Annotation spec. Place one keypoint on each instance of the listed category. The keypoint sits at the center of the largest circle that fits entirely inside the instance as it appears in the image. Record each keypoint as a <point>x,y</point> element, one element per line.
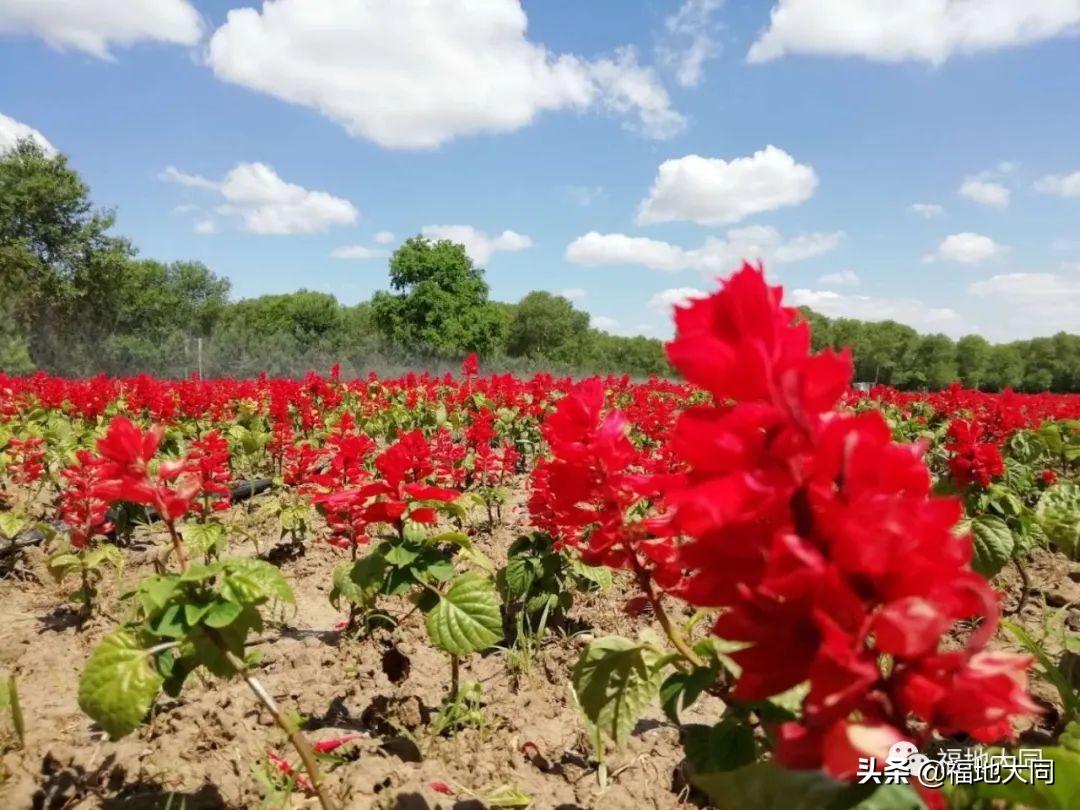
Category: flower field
<point>430,591</point>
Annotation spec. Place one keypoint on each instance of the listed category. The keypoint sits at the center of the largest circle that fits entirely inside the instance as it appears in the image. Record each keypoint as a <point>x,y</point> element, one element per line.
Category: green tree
<point>882,349</point>
<point>931,363</point>
<point>1005,368</point>
<point>49,234</point>
<point>545,325</point>
<point>441,303</point>
<point>973,354</point>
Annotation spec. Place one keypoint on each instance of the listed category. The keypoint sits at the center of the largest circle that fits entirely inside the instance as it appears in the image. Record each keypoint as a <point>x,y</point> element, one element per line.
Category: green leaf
<point>681,689</point>
<point>507,796</point>
<point>993,543</point>
<point>467,617</point>
<point>595,575</point>
<point>250,582</point>
<point>1061,794</point>
<point>169,623</point>
<point>1059,516</point>
<point>61,565</point>
<point>1051,672</point>
<point>615,680</point>
<point>104,553</point>
<point>11,524</point>
<point>519,575</point>
<point>723,747</point>
<point>155,592</point>
<point>203,538</point>
<point>221,614</point>
<point>198,572</point>
<point>359,583</point>
<point>401,555</point>
<point>1070,737</point>
<point>119,684</point>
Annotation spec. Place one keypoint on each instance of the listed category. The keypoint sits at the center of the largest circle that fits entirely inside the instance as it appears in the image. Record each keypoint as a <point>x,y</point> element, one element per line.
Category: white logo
<point>957,766</point>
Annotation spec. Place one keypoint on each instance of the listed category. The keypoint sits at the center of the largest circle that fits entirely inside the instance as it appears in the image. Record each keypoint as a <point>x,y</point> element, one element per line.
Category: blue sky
<point>617,150</point>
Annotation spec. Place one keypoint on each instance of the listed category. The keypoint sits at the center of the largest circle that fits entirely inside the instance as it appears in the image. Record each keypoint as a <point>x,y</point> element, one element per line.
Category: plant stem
<point>671,631</point>
<point>178,545</point>
<point>296,736</point>
<point>88,606</point>
<point>455,676</point>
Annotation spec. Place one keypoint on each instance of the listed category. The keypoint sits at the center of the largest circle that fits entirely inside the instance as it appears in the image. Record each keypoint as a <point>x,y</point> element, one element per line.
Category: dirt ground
<point>201,750</point>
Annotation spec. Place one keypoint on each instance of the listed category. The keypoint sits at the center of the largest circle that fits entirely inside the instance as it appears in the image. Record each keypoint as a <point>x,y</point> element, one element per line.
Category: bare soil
<point>201,750</point>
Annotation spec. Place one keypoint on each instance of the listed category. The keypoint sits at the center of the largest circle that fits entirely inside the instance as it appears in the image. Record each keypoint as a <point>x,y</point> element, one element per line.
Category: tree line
<point>77,300</point>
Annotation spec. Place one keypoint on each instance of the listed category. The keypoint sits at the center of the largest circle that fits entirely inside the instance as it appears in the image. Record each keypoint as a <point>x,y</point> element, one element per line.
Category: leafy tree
<point>883,348</point>
<point>545,325</point>
<point>49,234</point>
<point>1006,367</point>
<point>441,303</point>
<point>973,360</point>
<point>931,363</point>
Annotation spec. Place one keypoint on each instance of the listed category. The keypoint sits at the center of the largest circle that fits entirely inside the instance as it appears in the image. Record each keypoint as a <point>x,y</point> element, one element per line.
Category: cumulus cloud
<point>603,323</point>
<point>985,192</point>
<point>1062,185</point>
<point>265,204</point>
<point>586,195</point>
<point>572,293</point>
<point>357,252</point>
<point>93,27</point>
<point>920,30</point>
<point>711,191</point>
<point>666,300</point>
<point>478,244</point>
<point>715,257</point>
<point>843,278</point>
<point>966,248</point>
<point>383,238</point>
<point>417,73</point>
<point>689,40</point>
<point>1031,303</point>
<point>927,210</point>
<point>12,131</point>
<point>911,311</point>
<point>205,226</point>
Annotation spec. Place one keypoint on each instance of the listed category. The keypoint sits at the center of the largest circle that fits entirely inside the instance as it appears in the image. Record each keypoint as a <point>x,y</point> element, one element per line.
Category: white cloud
<point>1062,185</point>
<point>715,257</point>
<point>1035,303</point>
<point>417,73</point>
<point>12,131</point>
<point>93,26</point>
<point>689,40</point>
<point>966,248</point>
<point>843,278</point>
<point>985,192</point>
<point>478,244</point>
<point>586,195</point>
<point>359,252</point>
<point>603,323</point>
<point>266,204</point>
<point>174,175</point>
<point>666,300</point>
<point>383,238</point>
<point>572,293</point>
<point>206,226</point>
<point>913,312</point>
<point>711,191</point>
<point>927,210</point>
<point>922,30</point>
